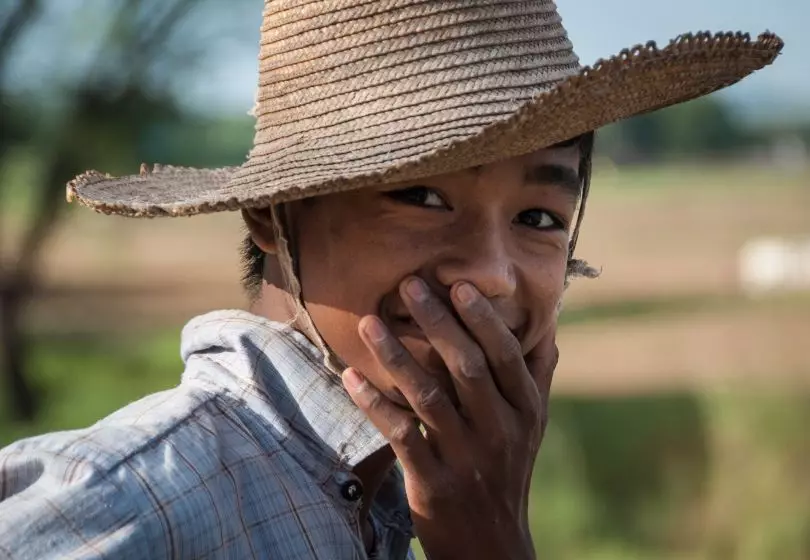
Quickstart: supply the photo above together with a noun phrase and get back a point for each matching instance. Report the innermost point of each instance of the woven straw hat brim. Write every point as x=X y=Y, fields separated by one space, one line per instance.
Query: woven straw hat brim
x=466 y=131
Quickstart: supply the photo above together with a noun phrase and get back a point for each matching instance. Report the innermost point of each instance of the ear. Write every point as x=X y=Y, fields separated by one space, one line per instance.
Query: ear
x=259 y=222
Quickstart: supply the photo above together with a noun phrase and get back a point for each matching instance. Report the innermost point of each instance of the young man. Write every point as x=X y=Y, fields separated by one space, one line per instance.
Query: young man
x=413 y=200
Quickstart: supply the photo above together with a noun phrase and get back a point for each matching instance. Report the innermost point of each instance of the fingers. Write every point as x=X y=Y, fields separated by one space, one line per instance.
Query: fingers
x=502 y=349
x=464 y=358
x=542 y=361
x=422 y=391
x=398 y=427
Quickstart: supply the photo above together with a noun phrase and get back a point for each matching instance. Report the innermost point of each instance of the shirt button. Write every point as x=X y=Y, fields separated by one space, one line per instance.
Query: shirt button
x=352 y=490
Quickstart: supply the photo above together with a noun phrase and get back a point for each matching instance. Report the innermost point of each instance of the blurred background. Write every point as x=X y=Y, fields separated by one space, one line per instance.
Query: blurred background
x=682 y=401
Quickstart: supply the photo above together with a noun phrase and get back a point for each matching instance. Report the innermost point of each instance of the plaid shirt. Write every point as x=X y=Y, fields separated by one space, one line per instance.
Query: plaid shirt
x=249 y=457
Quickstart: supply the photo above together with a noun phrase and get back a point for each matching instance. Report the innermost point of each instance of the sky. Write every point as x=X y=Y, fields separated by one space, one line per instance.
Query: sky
x=225 y=80
x=597 y=27
x=600 y=28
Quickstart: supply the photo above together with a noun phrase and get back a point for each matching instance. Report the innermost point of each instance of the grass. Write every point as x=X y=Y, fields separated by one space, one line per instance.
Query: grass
x=81 y=379
x=679 y=476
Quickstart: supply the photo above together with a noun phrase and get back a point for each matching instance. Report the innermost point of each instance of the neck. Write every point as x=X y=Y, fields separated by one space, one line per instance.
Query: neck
x=273 y=303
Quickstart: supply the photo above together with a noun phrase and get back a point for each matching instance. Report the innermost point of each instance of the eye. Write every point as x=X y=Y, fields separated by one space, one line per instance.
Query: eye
x=539 y=219
x=419 y=196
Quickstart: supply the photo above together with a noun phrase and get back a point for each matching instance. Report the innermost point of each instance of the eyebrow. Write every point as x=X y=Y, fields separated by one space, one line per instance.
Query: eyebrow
x=566 y=178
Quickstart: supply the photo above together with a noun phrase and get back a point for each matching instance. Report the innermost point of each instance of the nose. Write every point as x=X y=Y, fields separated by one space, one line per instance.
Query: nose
x=483 y=258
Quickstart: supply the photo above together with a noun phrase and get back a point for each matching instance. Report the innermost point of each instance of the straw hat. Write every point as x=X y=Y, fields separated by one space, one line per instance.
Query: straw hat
x=355 y=92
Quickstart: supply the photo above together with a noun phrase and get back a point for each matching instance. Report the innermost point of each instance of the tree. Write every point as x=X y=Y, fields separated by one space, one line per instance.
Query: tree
x=103 y=113
x=703 y=128
x=13 y=286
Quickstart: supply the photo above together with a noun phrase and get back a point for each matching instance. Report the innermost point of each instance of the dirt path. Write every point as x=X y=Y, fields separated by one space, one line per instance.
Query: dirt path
x=756 y=347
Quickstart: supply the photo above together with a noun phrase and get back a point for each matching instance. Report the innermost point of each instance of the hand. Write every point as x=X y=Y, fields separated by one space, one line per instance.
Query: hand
x=467 y=478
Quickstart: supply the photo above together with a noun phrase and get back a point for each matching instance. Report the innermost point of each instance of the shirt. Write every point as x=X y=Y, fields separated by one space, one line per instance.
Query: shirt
x=250 y=456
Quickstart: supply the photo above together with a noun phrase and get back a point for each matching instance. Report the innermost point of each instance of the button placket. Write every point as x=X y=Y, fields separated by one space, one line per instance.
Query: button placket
x=352 y=490
x=350 y=487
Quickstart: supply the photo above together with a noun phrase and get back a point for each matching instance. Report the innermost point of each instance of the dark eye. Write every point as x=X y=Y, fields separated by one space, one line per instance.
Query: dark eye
x=419 y=196
x=539 y=219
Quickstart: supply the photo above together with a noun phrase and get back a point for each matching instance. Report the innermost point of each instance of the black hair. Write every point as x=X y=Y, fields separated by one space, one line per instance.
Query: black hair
x=577 y=267
x=252 y=257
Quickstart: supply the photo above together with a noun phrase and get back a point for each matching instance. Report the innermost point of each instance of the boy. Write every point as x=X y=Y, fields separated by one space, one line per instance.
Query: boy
x=413 y=199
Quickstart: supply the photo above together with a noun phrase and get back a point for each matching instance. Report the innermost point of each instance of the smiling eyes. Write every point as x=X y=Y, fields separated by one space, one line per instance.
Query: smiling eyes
x=426 y=197
x=419 y=196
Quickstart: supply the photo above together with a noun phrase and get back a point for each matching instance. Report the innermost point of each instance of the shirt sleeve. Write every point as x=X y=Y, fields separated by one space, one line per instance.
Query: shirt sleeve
x=54 y=506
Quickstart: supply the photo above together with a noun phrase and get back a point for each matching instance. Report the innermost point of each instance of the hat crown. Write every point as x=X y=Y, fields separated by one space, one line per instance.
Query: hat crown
x=354 y=93
x=327 y=68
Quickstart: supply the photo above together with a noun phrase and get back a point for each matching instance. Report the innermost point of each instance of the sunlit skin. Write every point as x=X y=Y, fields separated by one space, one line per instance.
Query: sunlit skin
x=502 y=229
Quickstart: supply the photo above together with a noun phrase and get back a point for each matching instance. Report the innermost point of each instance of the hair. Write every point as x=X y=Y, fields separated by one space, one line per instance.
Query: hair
x=252 y=257
x=577 y=267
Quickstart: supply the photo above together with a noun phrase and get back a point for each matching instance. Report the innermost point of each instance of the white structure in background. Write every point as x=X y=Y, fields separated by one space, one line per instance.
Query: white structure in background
x=772 y=264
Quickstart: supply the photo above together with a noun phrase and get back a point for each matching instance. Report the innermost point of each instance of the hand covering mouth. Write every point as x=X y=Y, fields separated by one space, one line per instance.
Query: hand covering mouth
x=404 y=324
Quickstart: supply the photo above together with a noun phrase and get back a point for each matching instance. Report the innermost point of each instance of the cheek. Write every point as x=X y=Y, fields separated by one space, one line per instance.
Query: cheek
x=338 y=291
x=342 y=281
x=545 y=285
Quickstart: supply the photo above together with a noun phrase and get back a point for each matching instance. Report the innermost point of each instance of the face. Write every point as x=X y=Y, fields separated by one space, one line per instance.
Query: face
x=503 y=227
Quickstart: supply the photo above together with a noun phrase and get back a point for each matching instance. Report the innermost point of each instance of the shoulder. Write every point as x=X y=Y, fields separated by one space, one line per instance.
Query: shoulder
x=134 y=480
x=113 y=440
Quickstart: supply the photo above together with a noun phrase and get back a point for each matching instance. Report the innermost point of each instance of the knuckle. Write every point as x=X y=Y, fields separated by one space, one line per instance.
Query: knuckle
x=435 y=313
x=504 y=434
x=431 y=398
x=481 y=310
x=495 y=431
x=510 y=352
x=401 y=432
x=476 y=310
x=444 y=486
x=472 y=364
x=374 y=400
x=395 y=355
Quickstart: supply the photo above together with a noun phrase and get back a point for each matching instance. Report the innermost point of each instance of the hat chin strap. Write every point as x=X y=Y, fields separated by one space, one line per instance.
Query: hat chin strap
x=301 y=319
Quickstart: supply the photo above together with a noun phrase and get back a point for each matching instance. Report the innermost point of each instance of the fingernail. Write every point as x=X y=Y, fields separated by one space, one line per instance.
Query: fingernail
x=375 y=330
x=416 y=289
x=466 y=294
x=352 y=379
